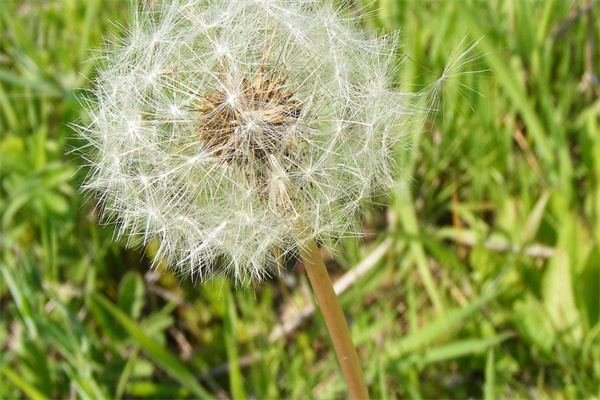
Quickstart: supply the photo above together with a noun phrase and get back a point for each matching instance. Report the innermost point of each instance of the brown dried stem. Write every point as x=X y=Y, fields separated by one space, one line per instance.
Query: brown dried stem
x=335 y=320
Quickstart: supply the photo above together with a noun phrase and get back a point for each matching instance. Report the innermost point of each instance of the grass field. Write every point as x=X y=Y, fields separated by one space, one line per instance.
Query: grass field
x=481 y=275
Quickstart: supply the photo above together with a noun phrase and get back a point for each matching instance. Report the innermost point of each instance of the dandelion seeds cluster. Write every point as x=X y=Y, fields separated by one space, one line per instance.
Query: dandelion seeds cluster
x=234 y=131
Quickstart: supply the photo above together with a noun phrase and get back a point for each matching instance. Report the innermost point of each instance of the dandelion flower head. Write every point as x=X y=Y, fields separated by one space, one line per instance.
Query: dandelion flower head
x=233 y=131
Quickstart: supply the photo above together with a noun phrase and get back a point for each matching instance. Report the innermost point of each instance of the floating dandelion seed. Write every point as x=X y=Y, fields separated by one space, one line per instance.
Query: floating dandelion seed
x=236 y=131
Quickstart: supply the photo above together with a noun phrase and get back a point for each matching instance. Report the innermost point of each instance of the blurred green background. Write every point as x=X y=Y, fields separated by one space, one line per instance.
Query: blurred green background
x=481 y=276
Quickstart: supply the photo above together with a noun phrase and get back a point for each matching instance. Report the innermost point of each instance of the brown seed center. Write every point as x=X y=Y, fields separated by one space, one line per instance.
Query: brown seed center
x=247 y=119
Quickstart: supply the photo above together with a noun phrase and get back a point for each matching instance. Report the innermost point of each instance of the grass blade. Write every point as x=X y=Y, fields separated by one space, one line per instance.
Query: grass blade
x=14 y=377
x=235 y=375
x=437 y=328
x=451 y=351
x=506 y=78
x=489 y=391
x=167 y=361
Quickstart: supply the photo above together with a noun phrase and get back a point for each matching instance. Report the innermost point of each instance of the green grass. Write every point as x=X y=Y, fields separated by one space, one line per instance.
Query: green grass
x=489 y=288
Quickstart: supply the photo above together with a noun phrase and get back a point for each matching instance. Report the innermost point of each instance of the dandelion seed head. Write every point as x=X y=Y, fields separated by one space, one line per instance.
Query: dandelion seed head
x=234 y=131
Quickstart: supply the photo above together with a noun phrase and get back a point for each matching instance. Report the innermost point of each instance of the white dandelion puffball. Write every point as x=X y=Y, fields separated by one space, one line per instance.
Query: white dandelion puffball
x=234 y=131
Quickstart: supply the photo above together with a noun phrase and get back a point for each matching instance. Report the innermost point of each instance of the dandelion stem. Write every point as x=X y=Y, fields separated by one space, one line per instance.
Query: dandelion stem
x=335 y=320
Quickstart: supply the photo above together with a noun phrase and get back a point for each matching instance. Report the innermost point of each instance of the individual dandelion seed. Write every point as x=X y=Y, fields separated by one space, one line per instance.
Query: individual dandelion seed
x=238 y=132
